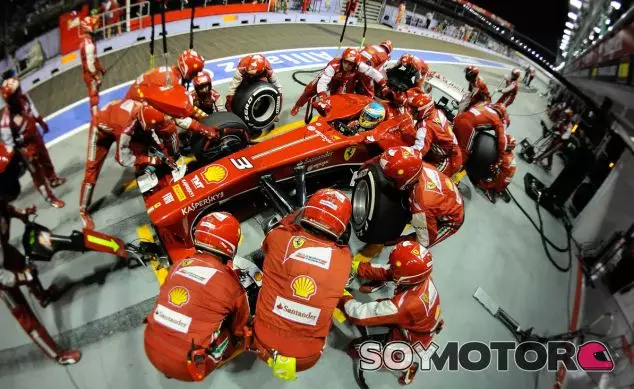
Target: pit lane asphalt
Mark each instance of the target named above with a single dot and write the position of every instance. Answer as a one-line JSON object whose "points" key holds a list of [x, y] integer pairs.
{"points": [[105, 302]]}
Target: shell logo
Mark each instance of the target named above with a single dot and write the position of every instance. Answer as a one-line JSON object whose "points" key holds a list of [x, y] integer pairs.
{"points": [[215, 174], [178, 296], [304, 287]]}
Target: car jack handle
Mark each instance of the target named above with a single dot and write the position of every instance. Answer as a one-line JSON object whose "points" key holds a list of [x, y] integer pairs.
{"points": [[276, 197], [300, 184]]}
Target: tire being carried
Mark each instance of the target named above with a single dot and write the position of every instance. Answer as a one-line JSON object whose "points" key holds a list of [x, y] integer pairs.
{"points": [[257, 104], [378, 214], [206, 151]]}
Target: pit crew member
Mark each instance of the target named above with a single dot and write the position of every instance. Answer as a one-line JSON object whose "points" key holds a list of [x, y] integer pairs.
{"points": [[412, 314], [418, 64], [482, 118], [202, 310], [479, 92], [18, 129], [188, 65], [435, 202], [339, 76], [497, 186], [434, 136], [251, 68], [205, 97], [510, 91], [14, 271], [563, 131], [131, 125], [376, 56], [305, 269], [92, 69]]}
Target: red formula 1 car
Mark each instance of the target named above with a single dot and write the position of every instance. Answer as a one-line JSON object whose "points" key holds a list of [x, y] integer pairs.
{"points": [[324, 153]]}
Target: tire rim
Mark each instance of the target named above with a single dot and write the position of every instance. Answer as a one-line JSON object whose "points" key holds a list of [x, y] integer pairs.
{"points": [[263, 108], [360, 201]]}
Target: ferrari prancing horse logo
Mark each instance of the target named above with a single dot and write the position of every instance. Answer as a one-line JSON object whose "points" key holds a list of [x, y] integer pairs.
{"points": [[298, 242], [349, 152]]}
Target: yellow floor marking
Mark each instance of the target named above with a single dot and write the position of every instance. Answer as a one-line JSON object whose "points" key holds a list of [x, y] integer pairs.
{"points": [[282, 129], [338, 315], [368, 252]]}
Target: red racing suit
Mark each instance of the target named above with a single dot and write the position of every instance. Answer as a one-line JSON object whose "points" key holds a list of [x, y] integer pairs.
{"points": [[157, 78], [202, 305], [504, 176], [413, 313], [304, 277], [92, 70], [242, 77], [482, 118], [375, 56], [207, 102], [333, 80], [116, 123], [479, 92], [19, 131], [437, 207], [509, 93], [437, 143], [13, 273]]}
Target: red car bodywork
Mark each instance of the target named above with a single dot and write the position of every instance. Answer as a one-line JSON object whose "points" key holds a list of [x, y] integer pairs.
{"points": [[175, 208]]}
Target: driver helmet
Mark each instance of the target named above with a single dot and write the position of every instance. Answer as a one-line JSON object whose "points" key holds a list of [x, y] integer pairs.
{"points": [[328, 211], [372, 115], [218, 233], [190, 63], [410, 263]]}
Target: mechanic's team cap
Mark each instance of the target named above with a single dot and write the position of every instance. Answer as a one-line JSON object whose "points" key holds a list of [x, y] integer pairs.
{"points": [[218, 233], [372, 114], [328, 211]]}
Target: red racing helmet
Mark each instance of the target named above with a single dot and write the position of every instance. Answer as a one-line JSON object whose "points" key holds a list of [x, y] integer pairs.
{"points": [[150, 117], [388, 46], [10, 87], [190, 63], [218, 233], [420, 102], [415, 62], [256, 65], [351, 55], [402, 165], [329, 211], [515, 74], [88, 25], [410, 263], [471, 73], [202, 80]]}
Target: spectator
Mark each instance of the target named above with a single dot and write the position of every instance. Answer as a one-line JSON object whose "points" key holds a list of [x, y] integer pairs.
{"points": [[112, 17], [430, 17]]}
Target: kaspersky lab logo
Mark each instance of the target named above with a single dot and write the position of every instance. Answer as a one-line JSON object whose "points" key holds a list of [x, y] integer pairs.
{"points": [[477, 356]]}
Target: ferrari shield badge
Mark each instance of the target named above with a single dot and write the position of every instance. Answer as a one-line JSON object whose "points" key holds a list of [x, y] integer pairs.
{"points": [[298, 242], [349, 152]]}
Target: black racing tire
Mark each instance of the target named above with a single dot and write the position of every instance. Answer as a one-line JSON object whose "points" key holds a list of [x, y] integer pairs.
{"points": [[484, 153], [206, 152], [257, 104], [378, 214]]}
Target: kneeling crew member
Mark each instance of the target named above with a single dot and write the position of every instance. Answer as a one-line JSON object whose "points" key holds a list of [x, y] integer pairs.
{"points": [[202, 309], [305, 271], [413, 313]]}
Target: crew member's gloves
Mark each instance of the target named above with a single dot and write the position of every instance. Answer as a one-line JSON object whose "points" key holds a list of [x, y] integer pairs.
{"points": [[322, 104], [228, 103]]}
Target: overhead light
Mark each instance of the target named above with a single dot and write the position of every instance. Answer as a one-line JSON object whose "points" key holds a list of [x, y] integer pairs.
{"points": [[585, 41], [610, 28], [576, 3], [607, 21], [616, 5], [597, 30], [572, 15], [512, 39], [567, 32], [570, 25], [564, 54]]}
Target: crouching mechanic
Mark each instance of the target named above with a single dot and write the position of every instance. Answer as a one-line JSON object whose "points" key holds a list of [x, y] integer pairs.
{"points": [[305, 270], [14, 271], [503, 177], [339, 76], [412, 314], [202, 310], [435, 202], [18, 129], [131, 125], [250, 69], [434, 136], [204, 96]]}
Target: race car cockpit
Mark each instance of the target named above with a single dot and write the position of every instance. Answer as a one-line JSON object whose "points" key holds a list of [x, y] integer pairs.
{"points": [[371, 115]]}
